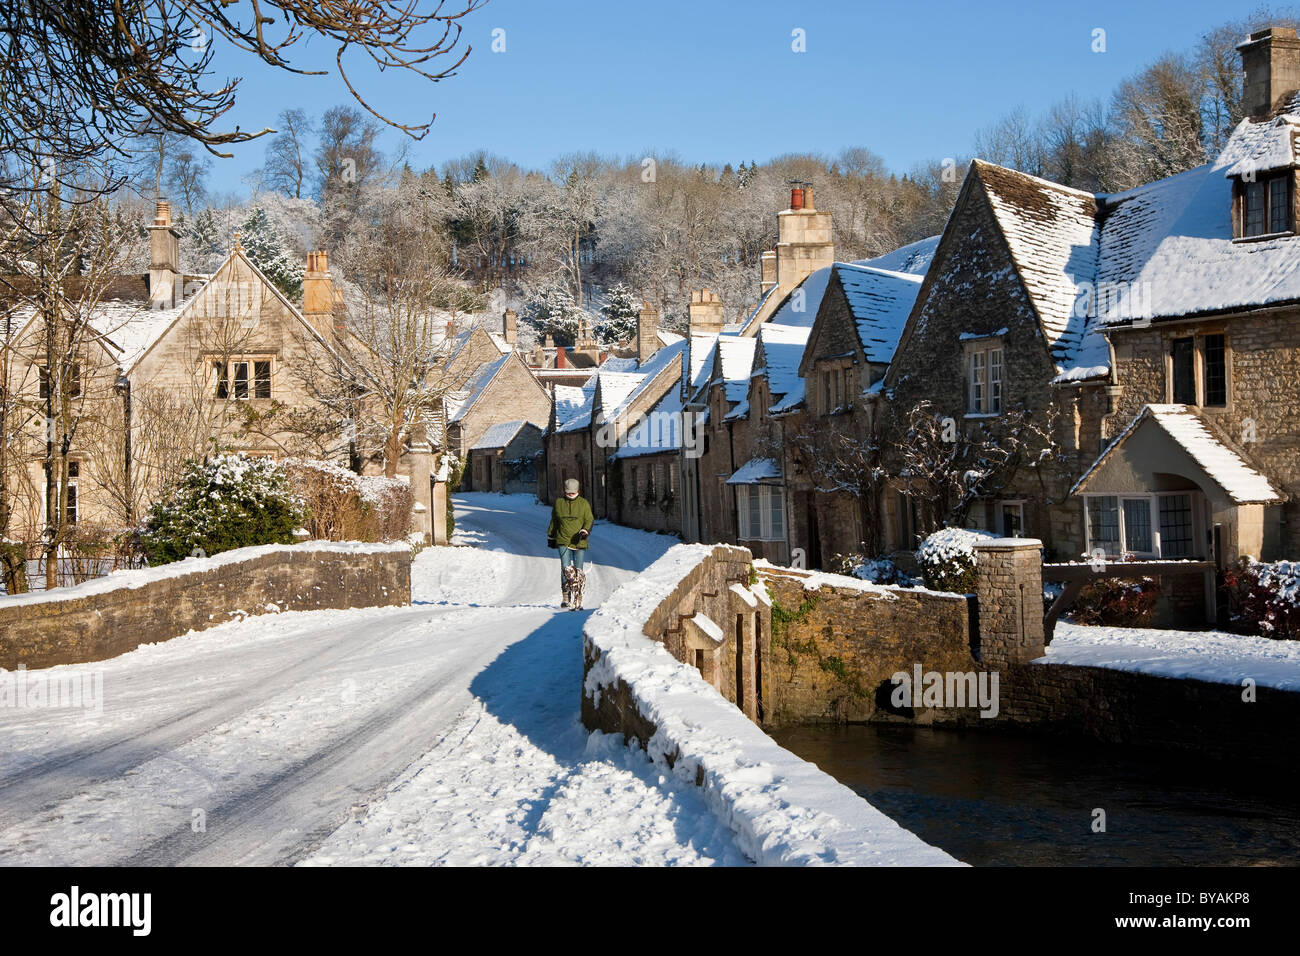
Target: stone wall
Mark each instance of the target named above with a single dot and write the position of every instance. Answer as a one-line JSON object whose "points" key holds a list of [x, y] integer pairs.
{"points": [[116, 614], [835, 647], [1126, 707]]}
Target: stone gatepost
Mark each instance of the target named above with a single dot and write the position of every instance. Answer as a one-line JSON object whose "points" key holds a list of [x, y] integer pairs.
{"points": [[1009, 596], [419, 461]]}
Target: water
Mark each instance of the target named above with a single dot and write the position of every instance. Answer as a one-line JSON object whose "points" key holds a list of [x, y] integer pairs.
{"points": [[997, 799]]}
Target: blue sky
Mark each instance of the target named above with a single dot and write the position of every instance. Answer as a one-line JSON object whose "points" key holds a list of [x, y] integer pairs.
{"points": [[719, 82]]}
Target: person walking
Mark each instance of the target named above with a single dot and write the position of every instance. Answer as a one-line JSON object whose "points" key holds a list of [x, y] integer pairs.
{"points": [[569, 531]]}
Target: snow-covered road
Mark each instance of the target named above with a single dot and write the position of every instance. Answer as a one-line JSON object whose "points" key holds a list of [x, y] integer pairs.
{"points": [[446, 732]]}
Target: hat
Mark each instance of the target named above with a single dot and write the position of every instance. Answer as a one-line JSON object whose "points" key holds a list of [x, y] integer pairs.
{"points": [[571, 486]]}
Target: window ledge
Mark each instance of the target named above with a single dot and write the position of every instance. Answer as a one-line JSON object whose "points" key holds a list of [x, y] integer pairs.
{"points": [[982, 415], [1265, 237]]}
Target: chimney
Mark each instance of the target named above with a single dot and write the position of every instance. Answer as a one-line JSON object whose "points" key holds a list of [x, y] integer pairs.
{"points": [[510, 327], [318, 298], [165, 280], [647, 332], [804, 241], [705, 312], [1271, 61], [560, 360], [767, 274]]}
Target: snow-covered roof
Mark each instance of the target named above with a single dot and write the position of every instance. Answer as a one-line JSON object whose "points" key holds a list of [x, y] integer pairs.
{"points": [[1241, 483], [461, 339], [1053, 236], [658, 431], [880, 302], [700, 353], [1260, 147], [913, 258], [735, 359], [464, 400], [575, 413], [613, 388], [500, 435], [756, 470], [780, 350], [661, 369]]}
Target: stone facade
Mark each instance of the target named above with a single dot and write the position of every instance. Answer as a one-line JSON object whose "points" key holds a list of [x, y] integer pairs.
{"points": [[1261, 418], [69, 627]]}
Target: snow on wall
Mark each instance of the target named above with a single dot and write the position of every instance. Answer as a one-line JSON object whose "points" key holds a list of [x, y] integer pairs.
{"points": [[783, 810], [130, 580]]}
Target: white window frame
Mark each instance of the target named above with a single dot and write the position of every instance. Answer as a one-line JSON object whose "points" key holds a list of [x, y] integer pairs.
{"points": [[771, 511], [1153, 503], [984, 390]]}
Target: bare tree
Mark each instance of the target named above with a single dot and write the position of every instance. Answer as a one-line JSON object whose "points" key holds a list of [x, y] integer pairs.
{"points": [[80, 78], [286, 154]]}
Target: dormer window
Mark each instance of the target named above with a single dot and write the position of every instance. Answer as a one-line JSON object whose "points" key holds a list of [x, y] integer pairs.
{"points": [[1264, 207], [984, 377]]}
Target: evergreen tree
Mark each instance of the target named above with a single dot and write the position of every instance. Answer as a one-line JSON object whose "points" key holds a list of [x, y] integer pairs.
{"points": [[204, 245], [618, 315], [267, 250]]}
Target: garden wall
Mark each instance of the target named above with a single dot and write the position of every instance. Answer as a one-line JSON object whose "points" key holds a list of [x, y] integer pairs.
{"points": [[115, 614]]}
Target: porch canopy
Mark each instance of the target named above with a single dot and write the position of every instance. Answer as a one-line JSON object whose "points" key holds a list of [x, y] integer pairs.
{"points": [[1168, 452]]}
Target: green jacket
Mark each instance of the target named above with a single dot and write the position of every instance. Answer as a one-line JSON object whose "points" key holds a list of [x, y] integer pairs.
{"points": [[568, 517]]}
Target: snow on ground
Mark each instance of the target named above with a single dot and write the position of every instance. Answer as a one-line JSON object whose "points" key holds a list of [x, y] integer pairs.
{"points": [[444, 732], [1212, 656]]}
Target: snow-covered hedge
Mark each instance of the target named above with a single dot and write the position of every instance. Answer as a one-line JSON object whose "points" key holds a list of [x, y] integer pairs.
{"points": [[947, 559], [1265, 599], [228, 502], [875, 570], [345, 506]]}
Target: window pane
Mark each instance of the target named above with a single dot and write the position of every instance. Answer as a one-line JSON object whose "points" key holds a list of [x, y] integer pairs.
{"points": [[995, 380], [1184, 372], [776, 531], [977, 382], [755, 513], [1279, 219], [72, 504], [262, 379], [1011, 521], [1137, 525], [1254, 210], [1216, 371], [1103, 523], [223, 385], [1176, 526], [241, 380]]}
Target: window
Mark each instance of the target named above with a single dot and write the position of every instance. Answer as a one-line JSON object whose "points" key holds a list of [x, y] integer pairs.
{"points": [[243, 378], [1183, 354], [1198, 370], [985, 380], [1216, 370], [1176, 526], [1151, 526], [761, 510], [1265, 206], [74, 381], [74, 472], [1011, 519]]}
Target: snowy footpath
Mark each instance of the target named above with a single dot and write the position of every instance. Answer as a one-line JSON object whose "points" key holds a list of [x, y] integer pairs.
{"points": [[442, 733]]}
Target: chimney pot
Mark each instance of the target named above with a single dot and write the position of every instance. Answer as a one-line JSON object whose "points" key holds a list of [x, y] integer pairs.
{"points": [[796, 198]]}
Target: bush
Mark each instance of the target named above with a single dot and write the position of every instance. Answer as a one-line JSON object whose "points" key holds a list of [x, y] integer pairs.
{"points": [[1117, 602], [947, 559], [345, 506], [228, 502], [875, 570], [1265, 599]]}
